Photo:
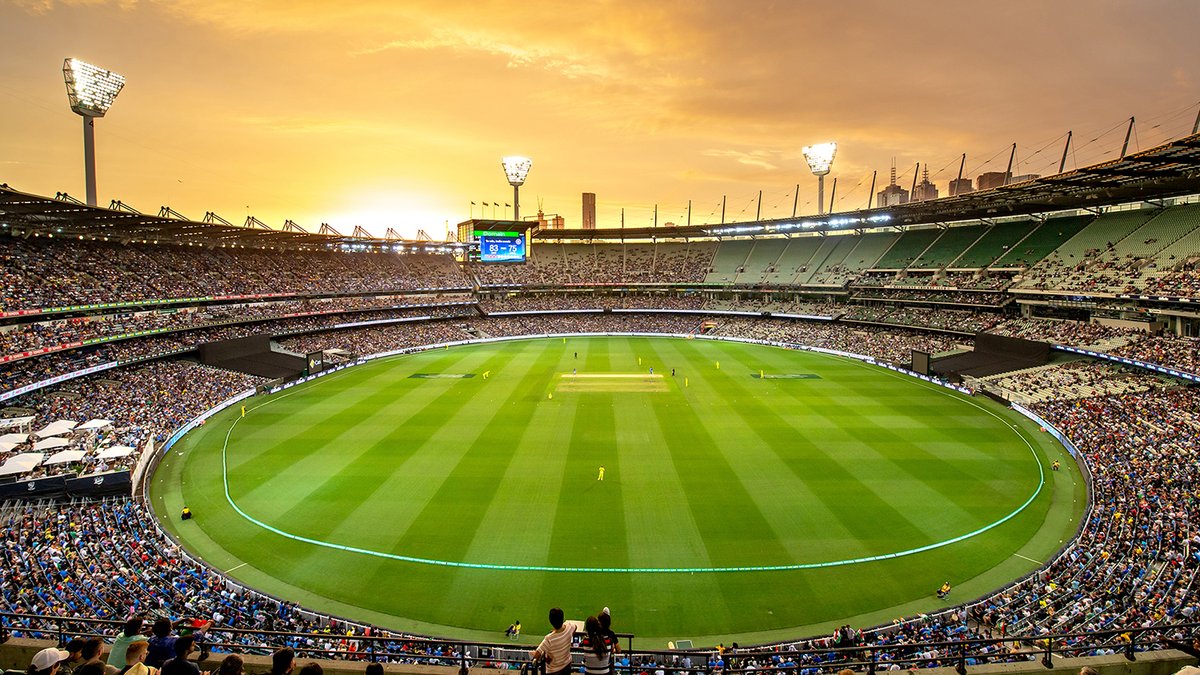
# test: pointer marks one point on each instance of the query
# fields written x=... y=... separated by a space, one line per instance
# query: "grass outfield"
x=491 y=485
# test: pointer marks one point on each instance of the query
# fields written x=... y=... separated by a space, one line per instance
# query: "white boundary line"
x=630 y=570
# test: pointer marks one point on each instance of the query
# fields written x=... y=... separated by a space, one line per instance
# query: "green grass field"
x=402 y=494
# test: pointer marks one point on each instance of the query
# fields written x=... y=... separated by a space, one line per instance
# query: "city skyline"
x=397 y=114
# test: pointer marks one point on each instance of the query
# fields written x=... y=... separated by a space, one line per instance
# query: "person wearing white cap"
x=46 y=661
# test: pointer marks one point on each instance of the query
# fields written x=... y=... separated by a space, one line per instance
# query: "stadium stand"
x=1131 y=569
x=953 y=243
x=1039 y=243
x=910 y=246
x=994 y=243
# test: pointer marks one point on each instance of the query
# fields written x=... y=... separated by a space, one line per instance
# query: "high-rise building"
x=551 y=221
x=990 y=179
x=924 y=190
x=589 y=210
x=892 y=195
x=1023 y=177
x=960 y=186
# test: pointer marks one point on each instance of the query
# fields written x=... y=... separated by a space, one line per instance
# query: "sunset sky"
x=390 y=113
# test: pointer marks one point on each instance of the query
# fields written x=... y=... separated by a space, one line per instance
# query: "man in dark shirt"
x=180 y=665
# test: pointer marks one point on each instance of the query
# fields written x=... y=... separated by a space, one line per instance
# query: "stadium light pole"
x=91 y=91
x=820 y=161
x=516 y=168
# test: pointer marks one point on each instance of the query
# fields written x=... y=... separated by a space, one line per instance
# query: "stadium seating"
x=1132 y=565
x=995 y=242
x=1128 y=566
x=909 y=247
x=948 y=247
x=1039 y=243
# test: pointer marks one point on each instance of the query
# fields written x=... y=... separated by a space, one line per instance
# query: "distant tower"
x=589 y=210
x=960 y=186
x=925 y=189
x=892 y=195
x=990 y=179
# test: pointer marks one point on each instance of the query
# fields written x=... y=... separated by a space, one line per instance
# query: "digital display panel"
x=507 y=247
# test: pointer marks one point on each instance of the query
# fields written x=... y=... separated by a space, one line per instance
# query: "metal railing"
x=886 y=651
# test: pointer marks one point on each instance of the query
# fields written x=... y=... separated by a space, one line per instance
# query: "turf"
x=773 y=458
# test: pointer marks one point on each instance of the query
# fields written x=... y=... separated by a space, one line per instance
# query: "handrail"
x=870 y=657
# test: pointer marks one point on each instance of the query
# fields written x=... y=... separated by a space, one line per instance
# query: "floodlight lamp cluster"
x=516 y=168
x=91 y=89
x=820 y=157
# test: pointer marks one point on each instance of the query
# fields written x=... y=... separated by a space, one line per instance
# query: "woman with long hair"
x=597 y=646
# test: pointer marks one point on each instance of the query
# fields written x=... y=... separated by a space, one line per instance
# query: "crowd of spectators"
x=591 y=264
x=1132 y=566
x=932 y=295
x=1074 y=379
x=150 y=401
x=47 y=273
x=989 y=281
x=526 y=302
x=62 y=333
x=1180 y=282
x=1073 y=333
x=962 y=321
x=1173 y=351
x=108 y=560
x=15 y=374
x=888 y=345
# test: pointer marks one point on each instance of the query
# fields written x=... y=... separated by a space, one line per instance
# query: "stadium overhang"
x=1166 y=171
x=61 y=216
x=1162 y=172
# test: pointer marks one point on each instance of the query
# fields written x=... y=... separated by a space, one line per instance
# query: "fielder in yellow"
x=601 y=476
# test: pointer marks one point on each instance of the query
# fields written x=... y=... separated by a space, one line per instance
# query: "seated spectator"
x=162 y=643
x=46 y=662
x=231 y=665
x=75 y=649
x=131 y=632
x=283 y=661
x=92 y=664
x=181 y=665
x=135 y=659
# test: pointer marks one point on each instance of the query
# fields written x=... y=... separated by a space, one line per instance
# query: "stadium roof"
x=63 y=216
x=1168 y=170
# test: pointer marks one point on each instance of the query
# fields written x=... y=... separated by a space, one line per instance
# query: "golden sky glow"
x=390 y=113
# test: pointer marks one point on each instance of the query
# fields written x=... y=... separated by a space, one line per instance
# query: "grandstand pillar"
x=89 y=158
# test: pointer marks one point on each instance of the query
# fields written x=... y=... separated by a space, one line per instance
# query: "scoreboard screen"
x=501 y=247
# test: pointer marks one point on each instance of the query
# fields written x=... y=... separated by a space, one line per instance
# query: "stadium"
x=947 y=432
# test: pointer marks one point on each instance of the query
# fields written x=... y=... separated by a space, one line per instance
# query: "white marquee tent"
x=22 y=463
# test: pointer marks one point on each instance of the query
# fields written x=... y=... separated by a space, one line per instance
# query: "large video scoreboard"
x=501 y=247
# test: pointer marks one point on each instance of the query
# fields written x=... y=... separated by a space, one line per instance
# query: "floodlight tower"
x=516 y=168
x=820 y=160
x=91 y=91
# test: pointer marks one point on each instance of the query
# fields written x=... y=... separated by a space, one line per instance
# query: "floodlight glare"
x=820 y=157
x=91 y=91
x=516 y=168
x=820 y=161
